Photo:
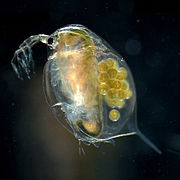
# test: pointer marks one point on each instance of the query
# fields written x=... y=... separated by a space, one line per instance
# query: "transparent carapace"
x=88 y=81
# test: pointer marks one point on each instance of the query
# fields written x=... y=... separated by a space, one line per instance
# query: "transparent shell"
x=88 y=81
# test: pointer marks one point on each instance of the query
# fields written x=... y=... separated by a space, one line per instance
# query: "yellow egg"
x=128 y=94
x=124 y=85
x=110 y=62
x=121 y=94
x=111 y=83
x=114 y=115
x=112 y=73
x=103 y=88
x=117 y=84
x=102 y=66
x=122 y=74
x=111 y=102
x=120 y=103
x=112 y=93
x=103 y=77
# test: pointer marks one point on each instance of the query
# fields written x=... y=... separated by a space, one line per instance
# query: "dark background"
x=32 y=143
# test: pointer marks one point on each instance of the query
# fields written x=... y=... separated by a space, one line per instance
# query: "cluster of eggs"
x=113 y=86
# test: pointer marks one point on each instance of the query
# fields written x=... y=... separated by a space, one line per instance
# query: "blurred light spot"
x=138 y=20
x=133 y=47
x=155 y=60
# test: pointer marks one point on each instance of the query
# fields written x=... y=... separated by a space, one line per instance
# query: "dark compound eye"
x=50 y=41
